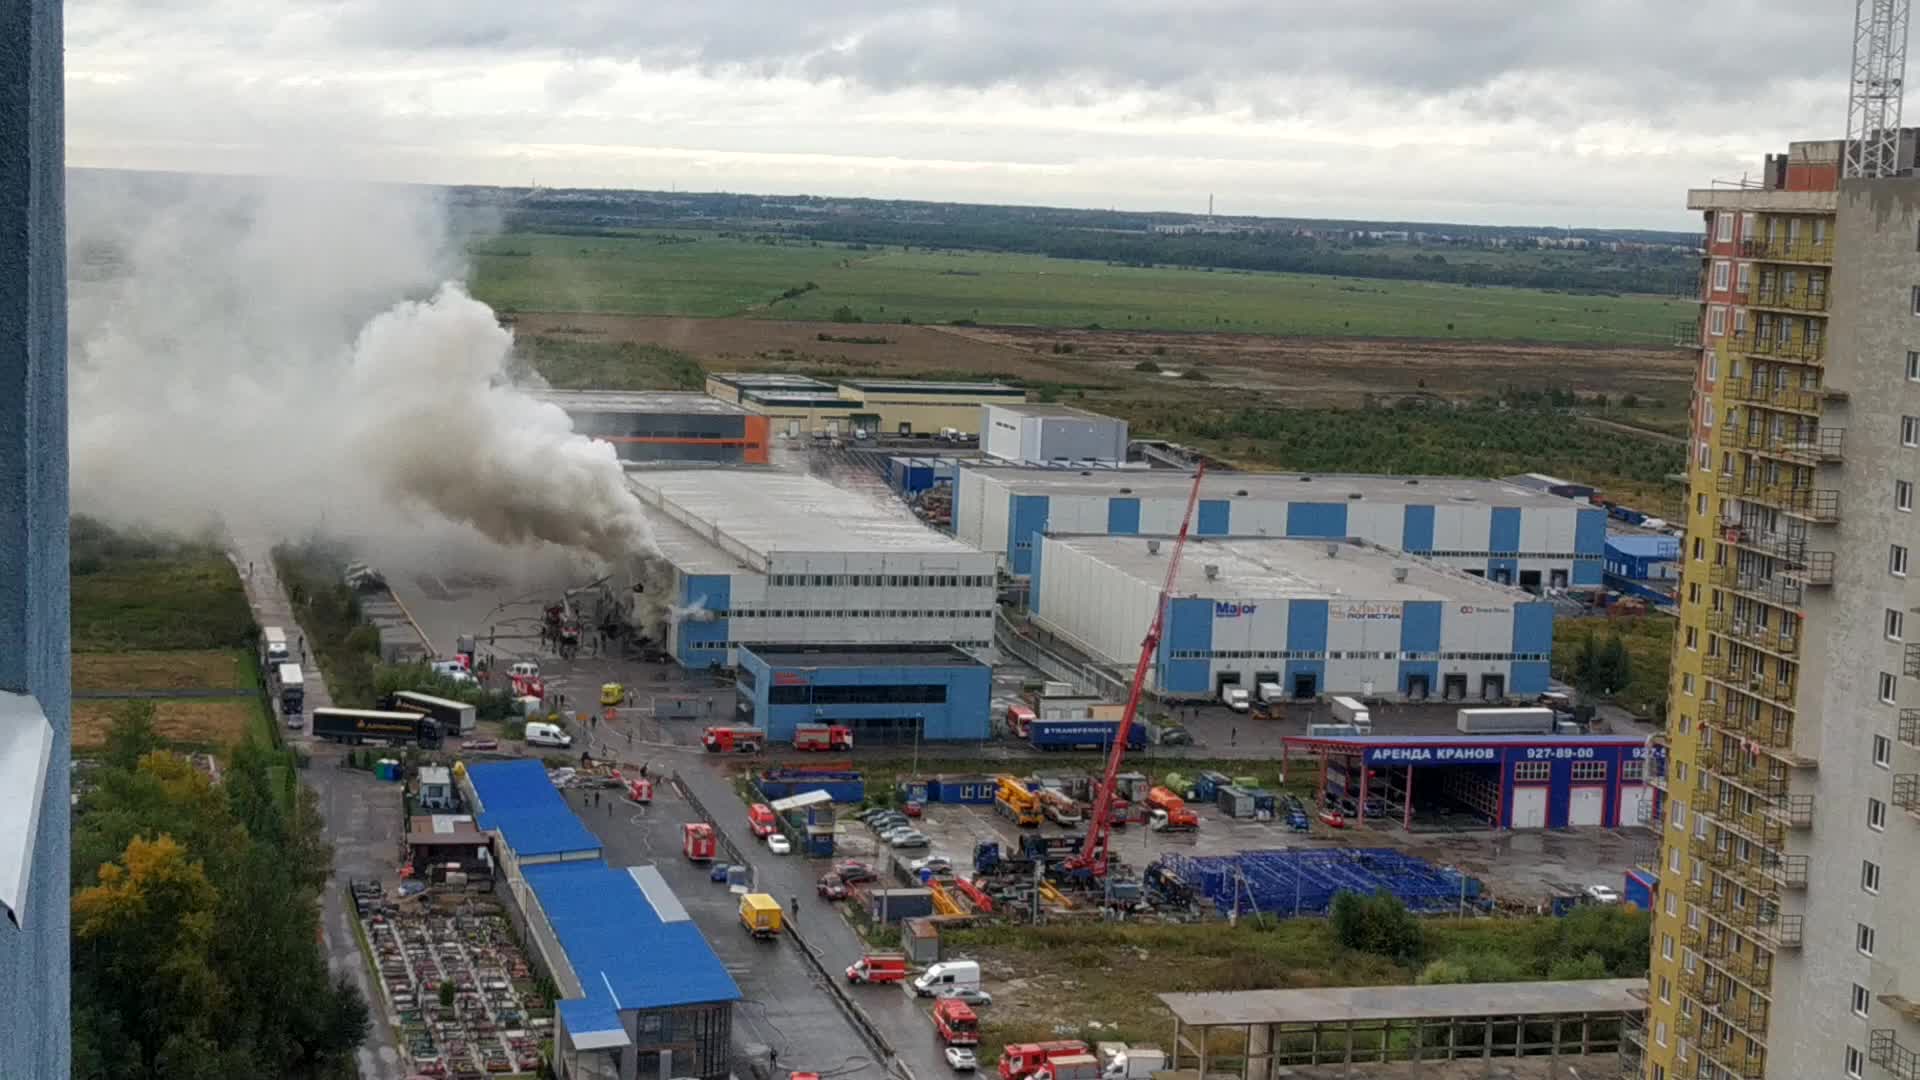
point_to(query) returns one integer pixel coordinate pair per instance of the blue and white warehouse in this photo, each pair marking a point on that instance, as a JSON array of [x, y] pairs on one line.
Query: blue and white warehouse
[[1315, 616], [1502, 531], [893, 694]]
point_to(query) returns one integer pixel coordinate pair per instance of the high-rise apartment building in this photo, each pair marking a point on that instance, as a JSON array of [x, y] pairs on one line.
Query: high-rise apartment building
[[1789, 832]]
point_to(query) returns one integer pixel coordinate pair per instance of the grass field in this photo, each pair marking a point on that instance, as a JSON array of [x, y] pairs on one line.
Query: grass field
[[186, 600], [119, 672], [198, 724], [708, 275]]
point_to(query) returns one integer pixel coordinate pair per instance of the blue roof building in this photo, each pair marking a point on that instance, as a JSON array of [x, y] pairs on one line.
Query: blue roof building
[[1644, 565], [516, 800]]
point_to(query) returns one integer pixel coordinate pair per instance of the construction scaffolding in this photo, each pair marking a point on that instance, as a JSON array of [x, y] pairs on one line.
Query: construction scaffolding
[[1268, 1034], [1304, 882]]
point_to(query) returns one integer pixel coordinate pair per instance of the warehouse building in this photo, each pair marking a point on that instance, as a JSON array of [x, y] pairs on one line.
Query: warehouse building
[[1489, 528], [665, 426], [800, 405], [784, 558], [1315, 616], [1039, 433], [1495, 781], [898, 694]]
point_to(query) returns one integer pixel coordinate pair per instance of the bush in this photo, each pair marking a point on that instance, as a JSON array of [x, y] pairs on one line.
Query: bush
[[1379, 924], [843, 313], [1195, 375], [1146, 366]]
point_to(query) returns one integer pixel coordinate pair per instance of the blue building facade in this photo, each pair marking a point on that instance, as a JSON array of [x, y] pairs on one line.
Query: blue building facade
[[886, 694]]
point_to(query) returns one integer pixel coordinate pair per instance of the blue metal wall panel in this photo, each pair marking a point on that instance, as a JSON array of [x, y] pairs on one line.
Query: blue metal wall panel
[[1306, 633], [1532, 634], [1123, 516], [1417, 530], [1420, 633], [715, 593], [1026, 519], [1189, 629], [1589, 547], [1503, 536], [1215, 517], [1317, 519], [1503, 571]]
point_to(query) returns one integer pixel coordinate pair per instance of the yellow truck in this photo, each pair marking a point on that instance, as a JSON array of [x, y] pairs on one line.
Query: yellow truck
[[760, 914]]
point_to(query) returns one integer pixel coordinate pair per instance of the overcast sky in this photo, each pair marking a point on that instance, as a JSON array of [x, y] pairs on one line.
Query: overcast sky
[[1597, 112]]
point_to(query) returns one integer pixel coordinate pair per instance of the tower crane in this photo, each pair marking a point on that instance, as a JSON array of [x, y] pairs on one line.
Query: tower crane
[[1093, 851], [1876, 88]]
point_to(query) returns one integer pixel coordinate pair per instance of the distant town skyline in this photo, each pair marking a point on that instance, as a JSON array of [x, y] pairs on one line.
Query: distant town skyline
[[1507, 112]]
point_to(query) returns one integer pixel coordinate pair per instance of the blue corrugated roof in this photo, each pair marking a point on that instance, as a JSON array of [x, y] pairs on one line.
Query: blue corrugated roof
[[624, 953], [517, 799], [592, 1025], [1637, 546]]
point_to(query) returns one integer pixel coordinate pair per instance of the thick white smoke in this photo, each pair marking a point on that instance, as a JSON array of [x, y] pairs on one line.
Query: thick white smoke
[[283, 357]]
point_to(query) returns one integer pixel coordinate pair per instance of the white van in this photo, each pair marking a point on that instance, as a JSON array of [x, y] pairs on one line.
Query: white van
[[948, 975], [540, 733], [1237, 698]]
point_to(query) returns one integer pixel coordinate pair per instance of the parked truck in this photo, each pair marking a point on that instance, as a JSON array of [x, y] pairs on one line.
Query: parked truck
[[733, 740], [369, 725], [1237, 698], [293, 692], [456, 717], [829, 737], [1135, 1063], [1082, 735], [760, 914], [1069, 1067], [1059, 807], [1353, 711], [1016, 803], [1169, 812], [875, 968], [956, 1022], [1021, 1060], [697, 841], [1535, 720], [1270, 693], [273, 644]]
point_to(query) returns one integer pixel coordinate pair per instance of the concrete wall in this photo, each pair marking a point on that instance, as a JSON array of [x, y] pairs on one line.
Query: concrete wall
[[35, 1027], [1873, 328]]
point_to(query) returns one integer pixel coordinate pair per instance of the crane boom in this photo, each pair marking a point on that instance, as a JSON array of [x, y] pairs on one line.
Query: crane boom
[[1093, 853]]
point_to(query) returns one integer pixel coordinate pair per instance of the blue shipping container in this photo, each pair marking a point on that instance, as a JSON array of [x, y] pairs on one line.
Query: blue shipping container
[[1640, 890], [1082, 734]]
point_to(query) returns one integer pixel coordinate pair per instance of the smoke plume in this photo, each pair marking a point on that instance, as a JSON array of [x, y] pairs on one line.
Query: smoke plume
[[281, 357]]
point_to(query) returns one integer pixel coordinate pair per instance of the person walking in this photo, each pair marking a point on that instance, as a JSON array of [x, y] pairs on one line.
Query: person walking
[[794, 902], [1233, 736]]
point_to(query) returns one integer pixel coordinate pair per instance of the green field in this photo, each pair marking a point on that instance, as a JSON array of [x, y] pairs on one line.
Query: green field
[[711, 275]]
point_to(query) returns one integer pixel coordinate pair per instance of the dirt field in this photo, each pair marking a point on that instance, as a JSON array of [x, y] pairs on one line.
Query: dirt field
[[131, 672], [1306, 371], [215, 723]]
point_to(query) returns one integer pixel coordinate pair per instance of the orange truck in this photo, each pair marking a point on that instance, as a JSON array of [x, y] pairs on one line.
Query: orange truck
[[1021, 1060], [956, 1022], [1016, 802], [1170, 813]]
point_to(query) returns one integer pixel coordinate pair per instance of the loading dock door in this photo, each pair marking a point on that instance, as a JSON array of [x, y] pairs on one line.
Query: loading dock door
[[1636, 805], [1530, 807], [1587, 806]]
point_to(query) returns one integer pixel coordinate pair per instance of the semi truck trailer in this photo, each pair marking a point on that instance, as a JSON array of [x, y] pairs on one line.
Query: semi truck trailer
[[370, 725]]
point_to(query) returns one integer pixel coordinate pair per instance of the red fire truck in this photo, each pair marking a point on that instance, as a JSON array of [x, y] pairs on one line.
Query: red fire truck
[[956, 1022], [1018, 1061], [697, 841], [824, 737], [733, 740]]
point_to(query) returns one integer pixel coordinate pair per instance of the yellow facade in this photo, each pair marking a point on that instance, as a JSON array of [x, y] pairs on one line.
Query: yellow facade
[[1735, 800]]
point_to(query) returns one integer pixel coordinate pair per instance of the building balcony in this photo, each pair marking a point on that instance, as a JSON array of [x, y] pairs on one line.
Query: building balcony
[[1686, 335], [1785, 398], [1789, 548], [1793, 811], [1910, 659], [1797, 350], [1815, 572], [1786, 871], [1743, 1065], [1756, 973], [1906, 794], [1779, 931], [1775, 640], [1887, 1052], [1820, 446], [1770, 589], [1779, 298], [1910, 728], [1784, 250]]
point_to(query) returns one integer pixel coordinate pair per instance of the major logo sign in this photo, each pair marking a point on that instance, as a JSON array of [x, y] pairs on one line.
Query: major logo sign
[[1227, 609]]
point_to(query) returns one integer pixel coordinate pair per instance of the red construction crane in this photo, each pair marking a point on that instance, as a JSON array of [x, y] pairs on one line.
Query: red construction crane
[[1093, 853]]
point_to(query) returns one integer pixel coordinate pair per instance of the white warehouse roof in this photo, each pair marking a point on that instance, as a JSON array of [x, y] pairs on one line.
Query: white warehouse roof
[[1279, 569], [1292, 487], [750, 515]]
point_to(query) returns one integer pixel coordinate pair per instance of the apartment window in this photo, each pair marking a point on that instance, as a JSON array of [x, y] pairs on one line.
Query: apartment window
[[1903, 496], [1717, 320], [1666, 946], [1739, 321], [1856, 1061], [1896, 624], [1870, 876], [1722, 275], [1883, 747], [1699, 550], [1876, 815], [1686, 683], [1897, 561], [1713, 365], [1749, 225], [1863, 939], [1700, 503], [1916, 299], [1666, 990], [1888, 693], [1693, 593], [1673, 861], [1744, 278], [1723, 227], [1673, 905], [1693, 638], [1861, 1000], [1913, 365], [1910, 431]]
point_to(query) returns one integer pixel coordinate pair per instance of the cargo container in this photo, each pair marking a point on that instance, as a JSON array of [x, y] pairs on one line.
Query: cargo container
[[366, 725], [1082, 735], [822, 737], [893, 905], [1207, 785], [1019, 1060], [760, 914], [455, 717], [1237, 802], [1535, 720], [1352, 711]]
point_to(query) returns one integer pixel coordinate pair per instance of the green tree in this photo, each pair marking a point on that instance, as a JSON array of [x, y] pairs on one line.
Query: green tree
[[1379, 924], [131, 734], [1584, 966]]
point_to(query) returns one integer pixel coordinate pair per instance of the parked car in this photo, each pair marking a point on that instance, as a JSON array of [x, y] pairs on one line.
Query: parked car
[[972, 995], [961, 1059], [832, 887], [779, 844], [853, 872], [1603, 894], [938, 864], [914, 809], [912, 838], [881, 822]]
